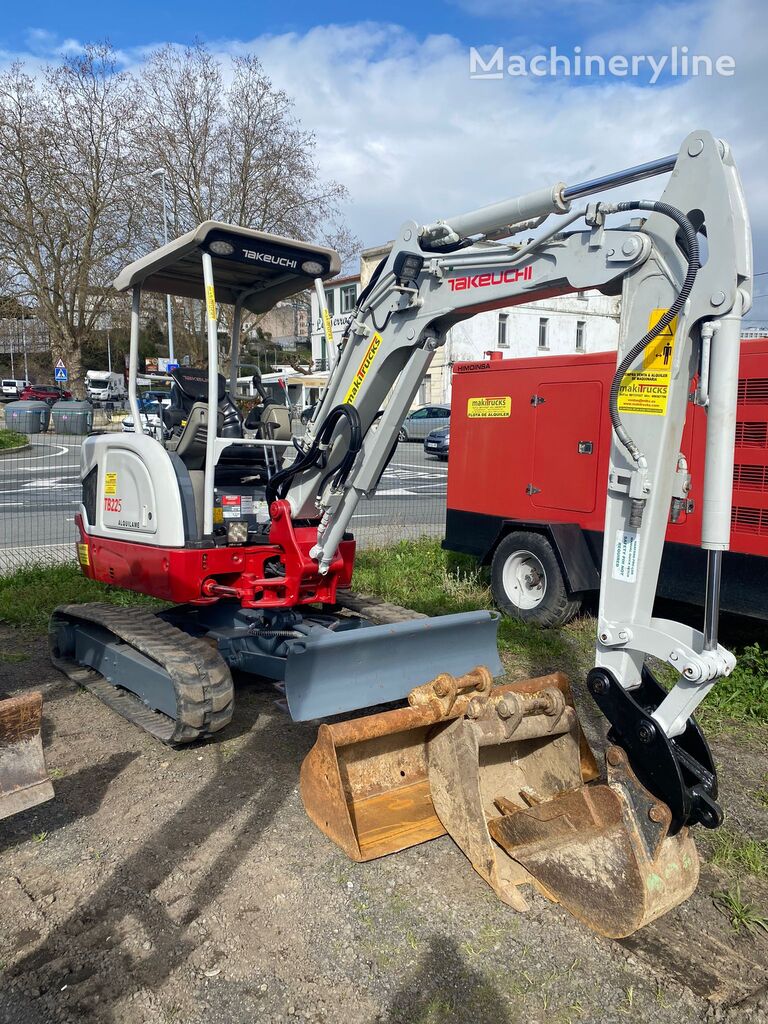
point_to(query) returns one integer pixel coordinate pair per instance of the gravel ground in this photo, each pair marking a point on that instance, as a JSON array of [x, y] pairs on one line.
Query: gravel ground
[[189, 886]]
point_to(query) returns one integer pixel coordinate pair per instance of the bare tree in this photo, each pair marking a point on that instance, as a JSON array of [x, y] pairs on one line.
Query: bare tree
[[233, 150], [78, 143], [68, 215]]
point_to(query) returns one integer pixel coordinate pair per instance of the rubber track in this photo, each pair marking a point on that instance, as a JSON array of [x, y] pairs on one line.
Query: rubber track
[[376, 610], [199, 676]]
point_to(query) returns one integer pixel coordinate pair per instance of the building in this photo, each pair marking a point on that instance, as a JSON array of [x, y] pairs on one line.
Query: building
[[583, 322], [340, 296]]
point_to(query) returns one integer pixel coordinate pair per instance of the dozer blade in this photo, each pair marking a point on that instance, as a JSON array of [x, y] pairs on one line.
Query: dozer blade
[[346, 671], [507, 773], [24, 781]]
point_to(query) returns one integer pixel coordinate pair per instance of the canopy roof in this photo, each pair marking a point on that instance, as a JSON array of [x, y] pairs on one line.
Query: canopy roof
[[267, 267]]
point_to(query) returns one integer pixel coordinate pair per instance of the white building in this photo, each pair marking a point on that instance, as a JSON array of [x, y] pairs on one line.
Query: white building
[[340, 296], [572, 324]]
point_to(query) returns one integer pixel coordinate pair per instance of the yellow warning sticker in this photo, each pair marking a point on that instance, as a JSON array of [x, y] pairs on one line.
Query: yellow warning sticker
[[83, 555], [110, 483], [328, 326], [218, 515], [362, 370], [210, 301], [489, 408], [645, 391]]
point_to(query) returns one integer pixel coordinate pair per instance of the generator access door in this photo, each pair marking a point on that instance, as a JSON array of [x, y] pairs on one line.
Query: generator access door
[[565, 445]]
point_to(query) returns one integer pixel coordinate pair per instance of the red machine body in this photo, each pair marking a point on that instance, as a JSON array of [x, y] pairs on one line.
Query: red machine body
[[197, 575], [537, 458]]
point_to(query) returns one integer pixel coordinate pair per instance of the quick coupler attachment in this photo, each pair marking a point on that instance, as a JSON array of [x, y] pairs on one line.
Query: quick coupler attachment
[[679, 771]]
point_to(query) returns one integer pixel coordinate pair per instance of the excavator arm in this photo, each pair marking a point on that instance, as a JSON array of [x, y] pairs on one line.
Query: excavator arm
[[683, 266]]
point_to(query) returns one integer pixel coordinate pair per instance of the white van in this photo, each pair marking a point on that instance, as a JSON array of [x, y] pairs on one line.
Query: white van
[[11, 389]]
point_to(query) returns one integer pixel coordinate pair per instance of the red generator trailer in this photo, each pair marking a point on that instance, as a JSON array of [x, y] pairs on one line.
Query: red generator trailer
[[527, 473]]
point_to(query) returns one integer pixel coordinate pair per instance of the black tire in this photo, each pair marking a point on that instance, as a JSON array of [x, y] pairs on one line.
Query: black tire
[[525, 556], [402, 435]]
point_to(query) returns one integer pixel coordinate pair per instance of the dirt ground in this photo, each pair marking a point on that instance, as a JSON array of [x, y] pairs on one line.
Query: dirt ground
[[189, 886]]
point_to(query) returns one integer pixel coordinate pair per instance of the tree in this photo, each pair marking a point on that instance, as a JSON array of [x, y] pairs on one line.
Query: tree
[[68, 168], [77, 145], [234, 151]]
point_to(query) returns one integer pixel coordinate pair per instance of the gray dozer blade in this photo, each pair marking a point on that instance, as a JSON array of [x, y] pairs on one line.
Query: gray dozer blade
[[362, 668], [24, 781]]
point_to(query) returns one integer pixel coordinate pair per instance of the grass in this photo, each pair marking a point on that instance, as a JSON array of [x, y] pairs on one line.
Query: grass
[[28, 596], [743, 695], [12, 439], [740, 913], [730, 849], [421, 575]]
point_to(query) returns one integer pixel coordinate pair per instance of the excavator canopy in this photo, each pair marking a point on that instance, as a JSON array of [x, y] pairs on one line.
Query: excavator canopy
[[258, 267]]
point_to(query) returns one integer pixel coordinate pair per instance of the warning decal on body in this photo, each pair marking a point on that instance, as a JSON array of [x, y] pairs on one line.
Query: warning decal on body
[[625, 556], [230, 506], [645, 391], [110, 483], [83, 554], [489, 408]]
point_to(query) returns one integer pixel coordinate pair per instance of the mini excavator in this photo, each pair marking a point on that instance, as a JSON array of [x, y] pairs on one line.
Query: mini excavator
[[245, 531]]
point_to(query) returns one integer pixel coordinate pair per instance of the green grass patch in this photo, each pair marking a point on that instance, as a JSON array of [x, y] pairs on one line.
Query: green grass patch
[[28, 596], [12, 439], [739, 912], [729, 849], [743, 695], [421, 575]]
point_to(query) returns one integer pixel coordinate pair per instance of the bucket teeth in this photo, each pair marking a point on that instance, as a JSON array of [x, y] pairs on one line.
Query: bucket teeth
[[506, 772]]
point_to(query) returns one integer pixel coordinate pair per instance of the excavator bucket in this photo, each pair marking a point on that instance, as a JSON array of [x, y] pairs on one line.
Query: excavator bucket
[[24, 781], [507, 773]]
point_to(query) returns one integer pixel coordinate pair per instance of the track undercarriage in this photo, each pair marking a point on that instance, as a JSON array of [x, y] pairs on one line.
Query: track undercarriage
[[169, 672]]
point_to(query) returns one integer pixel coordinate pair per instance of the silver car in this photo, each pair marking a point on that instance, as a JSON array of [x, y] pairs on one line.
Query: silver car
[[423, 421]]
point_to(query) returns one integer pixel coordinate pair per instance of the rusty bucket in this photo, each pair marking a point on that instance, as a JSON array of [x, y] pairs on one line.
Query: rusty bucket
[[507, 773], [366, 783], [24, 781]]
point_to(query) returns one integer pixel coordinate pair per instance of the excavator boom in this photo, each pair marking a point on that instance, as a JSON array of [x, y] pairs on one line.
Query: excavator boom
[[508, 783]]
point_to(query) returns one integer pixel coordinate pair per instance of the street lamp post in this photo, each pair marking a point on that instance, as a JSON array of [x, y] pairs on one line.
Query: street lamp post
[[24, 344], [160, 173]]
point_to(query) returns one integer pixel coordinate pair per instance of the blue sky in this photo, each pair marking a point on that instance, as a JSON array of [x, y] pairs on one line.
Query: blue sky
[[399, 120], [142, 22]]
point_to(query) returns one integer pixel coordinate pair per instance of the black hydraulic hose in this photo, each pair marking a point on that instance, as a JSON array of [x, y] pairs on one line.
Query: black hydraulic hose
[[278, 485], [691, 250]]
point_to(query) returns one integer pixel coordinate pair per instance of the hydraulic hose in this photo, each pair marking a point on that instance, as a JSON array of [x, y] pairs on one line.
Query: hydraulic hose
[[691, 250], [278, 485]]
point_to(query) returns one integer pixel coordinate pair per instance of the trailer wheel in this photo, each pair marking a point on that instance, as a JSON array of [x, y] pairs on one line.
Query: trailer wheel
[[527, 582]]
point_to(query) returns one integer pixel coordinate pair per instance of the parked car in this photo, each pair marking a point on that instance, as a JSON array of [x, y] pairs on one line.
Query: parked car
[[151, 414], [10, 389], [420, 422], [49, 393], [436, 443], [161, 397]]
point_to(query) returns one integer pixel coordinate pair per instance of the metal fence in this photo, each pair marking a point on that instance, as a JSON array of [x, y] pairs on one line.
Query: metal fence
[[40, 493]]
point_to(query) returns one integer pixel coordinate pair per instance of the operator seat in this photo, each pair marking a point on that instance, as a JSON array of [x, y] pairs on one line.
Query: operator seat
[[187, 416]]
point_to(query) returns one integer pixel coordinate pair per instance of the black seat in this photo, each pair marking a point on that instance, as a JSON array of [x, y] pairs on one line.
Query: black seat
[[190, 385]]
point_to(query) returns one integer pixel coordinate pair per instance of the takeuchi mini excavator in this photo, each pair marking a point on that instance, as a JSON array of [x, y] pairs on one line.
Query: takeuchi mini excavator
[[246, 531]]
